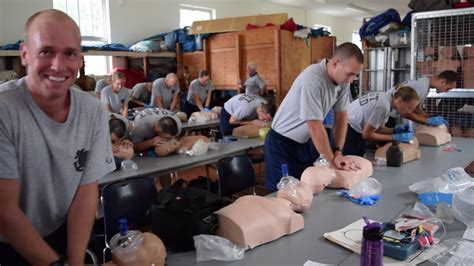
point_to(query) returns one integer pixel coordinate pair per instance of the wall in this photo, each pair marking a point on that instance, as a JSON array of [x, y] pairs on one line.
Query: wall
[[341, 28], [158, 16], [13, 15]]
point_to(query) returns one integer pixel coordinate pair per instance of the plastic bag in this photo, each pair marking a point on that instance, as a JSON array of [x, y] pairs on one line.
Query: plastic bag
[[463, 205], [300, 195], [453, 252], [368, 187], [455, 179], [125, 247], [210, 247], [326, 171], [128, 165]]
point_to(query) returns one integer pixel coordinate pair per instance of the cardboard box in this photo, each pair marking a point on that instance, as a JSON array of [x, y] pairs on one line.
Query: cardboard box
[[236, 23]]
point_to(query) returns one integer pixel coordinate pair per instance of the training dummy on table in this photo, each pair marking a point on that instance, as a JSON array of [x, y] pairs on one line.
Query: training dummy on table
[[55, 146], [297, 136]]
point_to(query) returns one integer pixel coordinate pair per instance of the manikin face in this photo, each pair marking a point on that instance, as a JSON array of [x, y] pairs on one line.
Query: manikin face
[[345, 71], [52, 56], [262, 116], [117, 85], [404, 108]]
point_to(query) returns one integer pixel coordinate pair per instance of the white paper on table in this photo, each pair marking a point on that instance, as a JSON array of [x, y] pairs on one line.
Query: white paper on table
[[469, 233], [314, 263]]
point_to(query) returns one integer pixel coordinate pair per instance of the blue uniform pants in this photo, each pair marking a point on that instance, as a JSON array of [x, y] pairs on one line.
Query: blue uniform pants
[[354, 144], [224, 126]]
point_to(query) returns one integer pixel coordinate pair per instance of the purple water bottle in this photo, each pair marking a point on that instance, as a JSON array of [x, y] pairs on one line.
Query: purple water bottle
[[371, 253]]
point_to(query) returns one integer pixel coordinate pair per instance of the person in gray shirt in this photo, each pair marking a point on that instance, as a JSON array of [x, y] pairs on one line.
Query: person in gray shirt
[[443, 82], [100, 85], [154, 126], [165, 93], [55, 145], [368, 115], [141, 95], [115, 97], [254, 85], [244, 109], [297, 133], [199, 94]]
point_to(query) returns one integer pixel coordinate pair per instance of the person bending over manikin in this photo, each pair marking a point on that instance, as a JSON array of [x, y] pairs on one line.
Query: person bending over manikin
[[320, 176], [368, 114], [254, 220], [245, 109], [122, 147], [115, 97], [155, 127]]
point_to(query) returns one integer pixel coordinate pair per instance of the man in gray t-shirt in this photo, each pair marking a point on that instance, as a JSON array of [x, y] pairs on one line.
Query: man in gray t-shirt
[[199, 94], [165, 93], [148, 132], [141, 94], [443, 82], [245, 109], [99, 86], [115, 97], [297, 128], [55, 145], [254, 85]]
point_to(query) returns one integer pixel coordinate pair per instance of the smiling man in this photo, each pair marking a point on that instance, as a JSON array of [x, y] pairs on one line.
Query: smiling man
[[55, 146], [298, 136]]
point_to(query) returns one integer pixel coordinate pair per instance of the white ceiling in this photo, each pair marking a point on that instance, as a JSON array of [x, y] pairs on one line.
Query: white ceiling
[[339, 7]]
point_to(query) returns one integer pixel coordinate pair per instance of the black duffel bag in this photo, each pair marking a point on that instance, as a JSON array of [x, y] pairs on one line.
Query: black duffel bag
[[181, 212]]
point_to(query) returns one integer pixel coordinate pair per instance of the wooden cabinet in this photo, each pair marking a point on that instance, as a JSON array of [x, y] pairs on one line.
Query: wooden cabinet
[[279, 56]]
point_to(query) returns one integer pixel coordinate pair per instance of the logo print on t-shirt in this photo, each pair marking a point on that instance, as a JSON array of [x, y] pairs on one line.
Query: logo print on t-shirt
[[81, 157]]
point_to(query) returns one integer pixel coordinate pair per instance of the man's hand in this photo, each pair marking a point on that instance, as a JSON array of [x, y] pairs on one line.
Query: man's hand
[[258, 122], [156, 141], [345, 163]]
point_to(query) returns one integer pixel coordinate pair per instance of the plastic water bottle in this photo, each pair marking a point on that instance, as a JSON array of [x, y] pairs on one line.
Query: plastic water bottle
[[371, 253], [125, 244], [394, 155]]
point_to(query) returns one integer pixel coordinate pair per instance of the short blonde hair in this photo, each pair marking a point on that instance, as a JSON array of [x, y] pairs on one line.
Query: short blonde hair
[[406, 93]]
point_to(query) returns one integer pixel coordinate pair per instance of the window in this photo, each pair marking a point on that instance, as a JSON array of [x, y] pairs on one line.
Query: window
[[188, 14], [356, 39], [325, 27], [93, 20]]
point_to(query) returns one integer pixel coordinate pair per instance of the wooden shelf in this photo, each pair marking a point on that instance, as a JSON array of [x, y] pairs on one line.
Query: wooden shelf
[[105, 53]]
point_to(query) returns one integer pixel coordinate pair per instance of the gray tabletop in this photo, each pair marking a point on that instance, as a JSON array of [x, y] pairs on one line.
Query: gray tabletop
[[198, 125], [154, 166], [330, 212]]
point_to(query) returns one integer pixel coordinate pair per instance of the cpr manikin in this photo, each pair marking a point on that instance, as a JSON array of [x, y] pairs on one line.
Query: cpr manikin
[[432, 136], [249, 131], [298, 193], [152, 251], [173, 145], [182, 116], [253, 220], [201, 117], [322, 174], [410, 151]]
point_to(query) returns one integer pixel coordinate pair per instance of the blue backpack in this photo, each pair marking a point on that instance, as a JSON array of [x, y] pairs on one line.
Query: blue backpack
[[373, 26]]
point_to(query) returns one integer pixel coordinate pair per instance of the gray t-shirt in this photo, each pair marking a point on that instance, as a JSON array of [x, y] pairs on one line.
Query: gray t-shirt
[[166, 94], [254, 85], [197, 88], [310, 97], [144, 123], [243, 106], [100, 85], [372, 108], [51, 159], [116, 100], [140, 92], [421, 86]]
